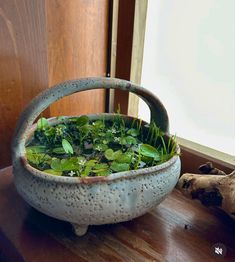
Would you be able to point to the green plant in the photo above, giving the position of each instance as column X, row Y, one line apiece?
column 81, row 147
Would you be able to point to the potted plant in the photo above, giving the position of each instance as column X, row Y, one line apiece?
column 94, row 169
column 80, row 147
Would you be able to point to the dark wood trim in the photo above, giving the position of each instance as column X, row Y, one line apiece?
column 126, row 13
column 109, row 49
column 192, row 160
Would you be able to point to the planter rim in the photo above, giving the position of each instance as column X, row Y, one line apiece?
column 97, row 179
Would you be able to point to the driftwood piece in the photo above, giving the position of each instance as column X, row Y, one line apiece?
column 214, row 188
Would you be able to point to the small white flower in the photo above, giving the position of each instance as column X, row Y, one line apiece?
column 116, row 139
column 82, row 162
column 98, row 148
column 113, row 131
column 59, row 131
column 71, row 173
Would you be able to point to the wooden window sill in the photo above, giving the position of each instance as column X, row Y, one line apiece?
column 177, row 230
column 193, row 155
column 209, row 153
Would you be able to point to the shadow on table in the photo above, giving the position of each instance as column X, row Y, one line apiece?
column 135, row 240
column 202, row 233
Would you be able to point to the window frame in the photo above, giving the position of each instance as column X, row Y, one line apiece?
column 192, row 154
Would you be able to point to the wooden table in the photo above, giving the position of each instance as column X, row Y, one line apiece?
column 177, row 230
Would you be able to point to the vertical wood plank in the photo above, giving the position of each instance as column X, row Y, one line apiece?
column 128, row 55
column 23, row 63
column 124, row 49
column 77, row 47
column 43, row 42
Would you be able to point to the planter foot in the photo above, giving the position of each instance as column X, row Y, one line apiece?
column 80, row 230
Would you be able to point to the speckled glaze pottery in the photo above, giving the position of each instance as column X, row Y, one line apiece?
column 93, row 200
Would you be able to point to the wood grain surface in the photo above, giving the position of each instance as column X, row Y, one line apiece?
column 77, row 47
column 23, row 63
column 177, row 230
column 43, row 42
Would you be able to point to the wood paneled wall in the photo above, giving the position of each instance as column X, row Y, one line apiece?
column 78, row 47
column 44, row 42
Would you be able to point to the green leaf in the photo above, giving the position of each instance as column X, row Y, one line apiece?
column 70, row 164
column 130, row 140
column 42, row 123
column 100, row 166
column 91, row 162
column 111, row 155
column 124, row 158
column 38, row 158
column 149, row 151
column 123, row 141
column 133, row 132
column 116, row 154
column 105, row 142
column 36, row 149
column 53, row 172
column 84, row 130
column 58, row 150
column 157, row 157
column 100, row 147
column 67, row 146
column 50, row 131
column 82, row 120
column 86, row 171
column 104, row 173
column 56, row 164
column 148, row 160
column 65, row 164
column 98, row 171
column 98, row 124
column 79, row 159
column 119, row 167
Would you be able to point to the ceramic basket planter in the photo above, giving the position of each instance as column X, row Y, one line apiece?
column 92, row 200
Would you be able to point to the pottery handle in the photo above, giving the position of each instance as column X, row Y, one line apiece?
column 49, row 96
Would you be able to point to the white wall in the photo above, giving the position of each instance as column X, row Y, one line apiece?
column 189, row 63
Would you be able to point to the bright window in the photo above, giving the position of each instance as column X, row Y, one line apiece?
column 189, row 63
